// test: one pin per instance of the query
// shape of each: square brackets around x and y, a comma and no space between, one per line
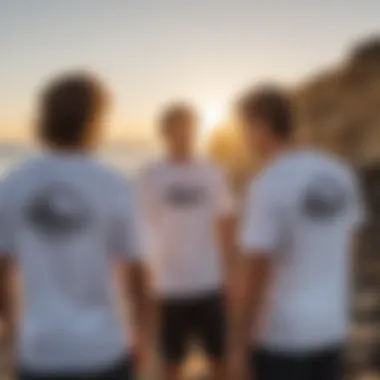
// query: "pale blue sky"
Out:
[151,52]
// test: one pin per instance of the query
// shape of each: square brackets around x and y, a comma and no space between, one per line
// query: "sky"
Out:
[151,52]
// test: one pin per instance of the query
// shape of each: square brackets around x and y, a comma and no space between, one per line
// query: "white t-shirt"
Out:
[302,210]
[66,219]
[180,204]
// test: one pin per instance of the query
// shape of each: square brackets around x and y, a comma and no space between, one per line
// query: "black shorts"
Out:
[121,370]
[203,318]
[325,364]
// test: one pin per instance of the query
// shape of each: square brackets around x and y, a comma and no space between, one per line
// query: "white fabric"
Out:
[181,203]
[309,244]
[66,219]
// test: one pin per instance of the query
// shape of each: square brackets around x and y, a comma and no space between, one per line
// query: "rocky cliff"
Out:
[341,106]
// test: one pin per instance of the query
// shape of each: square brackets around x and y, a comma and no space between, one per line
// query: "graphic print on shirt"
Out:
[57,211]
[184,196]
[324,199]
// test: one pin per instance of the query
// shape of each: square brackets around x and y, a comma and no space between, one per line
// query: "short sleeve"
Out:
[124,237]
[145,196]
[224,201]
[7,246]
[260,229]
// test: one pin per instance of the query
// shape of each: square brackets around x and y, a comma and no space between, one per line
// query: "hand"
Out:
[140,349]
[6,332]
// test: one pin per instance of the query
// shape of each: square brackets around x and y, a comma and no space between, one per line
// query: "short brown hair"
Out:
[175,112]
[67,107]
[271,104]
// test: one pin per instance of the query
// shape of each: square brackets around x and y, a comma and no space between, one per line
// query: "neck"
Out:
[181,157]
[277,149]
[68,150]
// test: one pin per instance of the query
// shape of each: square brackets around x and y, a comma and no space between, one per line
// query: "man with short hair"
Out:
[301,214]
[187,212]
[66,220]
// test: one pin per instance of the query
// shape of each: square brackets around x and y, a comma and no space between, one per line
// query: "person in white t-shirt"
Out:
[301,214]
[65,221]
[187,213]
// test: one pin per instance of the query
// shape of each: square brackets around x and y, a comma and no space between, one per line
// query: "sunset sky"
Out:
[153,51]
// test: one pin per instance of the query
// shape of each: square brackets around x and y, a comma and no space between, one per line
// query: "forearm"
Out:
[143,316]
[241,313]
[6,311]
[228,266]
[252,276]
[141,305]
[226,233]
[240,329]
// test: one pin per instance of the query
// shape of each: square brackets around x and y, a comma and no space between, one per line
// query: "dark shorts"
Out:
[326,364]
[202,318]
[121,370]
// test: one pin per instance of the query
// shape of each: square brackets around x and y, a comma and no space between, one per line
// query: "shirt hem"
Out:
[201,293]
[95,365]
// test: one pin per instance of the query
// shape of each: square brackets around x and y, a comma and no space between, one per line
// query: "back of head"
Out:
[270,104]
[70,109]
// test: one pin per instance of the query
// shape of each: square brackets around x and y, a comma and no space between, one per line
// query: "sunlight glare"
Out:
[211,117]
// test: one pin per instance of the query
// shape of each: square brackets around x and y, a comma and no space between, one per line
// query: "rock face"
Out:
[341,107]
[365,347]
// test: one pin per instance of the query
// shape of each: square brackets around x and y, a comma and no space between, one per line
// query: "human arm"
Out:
[6,315]
[258,241]
[133,274]
[7,250]
[225,228]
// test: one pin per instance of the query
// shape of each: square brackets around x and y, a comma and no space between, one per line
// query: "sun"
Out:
[211,117]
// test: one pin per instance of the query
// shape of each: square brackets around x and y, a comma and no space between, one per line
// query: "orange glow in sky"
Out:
[212,116]
[149,53]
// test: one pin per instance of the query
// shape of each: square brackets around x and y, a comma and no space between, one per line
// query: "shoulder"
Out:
[110,179]
[264,187]
[20,172]
[339,168]
[342,167]
[119,181]
[16,179]
[272,178]
[152,169]
[323,159]
[120,191]
[275,182]
[293,171]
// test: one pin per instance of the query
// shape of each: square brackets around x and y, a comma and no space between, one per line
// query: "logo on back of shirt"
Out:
[325,198]
[57,211]
[185,196]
